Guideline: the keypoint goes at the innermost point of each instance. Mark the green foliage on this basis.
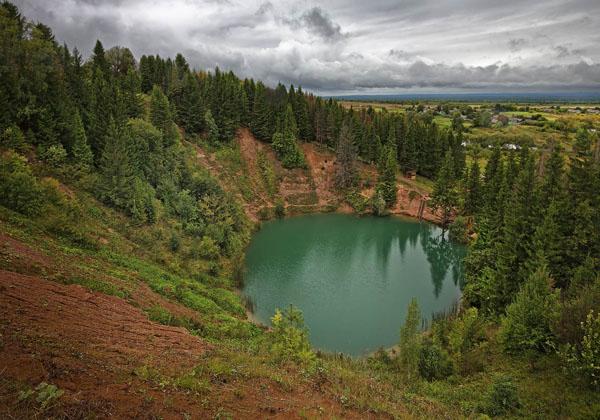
(527, 325)
(81, 151)
(466, 332)
(459, 230)
(378, 203)
(279, 209)
(386, 183)
(209, 248)
(13, 138)
(503, 397)
(285, 144)
(45, 394)
(410, 341)
(290, 337)
(346, 173)
(212, 131)
(434, 361)
(267, 173)
(444, 196)
(583, 358)
(161, 116)
(55, 155)
(19, 189)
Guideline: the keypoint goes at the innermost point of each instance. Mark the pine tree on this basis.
(346, 172)
(99, 61)
(552, 187)
(410, 341)
(262, 120)
(529, 317)
(473, 196)
(212, 130)
(116, 169)
(444, 196)
(161, 117)
(80, 151)
(515, 243)
(285, 144)
(190, 111)
(386, 182)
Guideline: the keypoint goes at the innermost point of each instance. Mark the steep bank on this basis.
(251, 171)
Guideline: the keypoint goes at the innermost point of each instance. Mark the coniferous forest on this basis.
(101, 187)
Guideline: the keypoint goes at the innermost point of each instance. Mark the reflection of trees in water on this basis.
(441, 255)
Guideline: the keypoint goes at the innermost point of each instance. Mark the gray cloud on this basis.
(352, 45)
(320, 23)
(516, 44)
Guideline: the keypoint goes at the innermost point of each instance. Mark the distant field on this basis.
(535, 124)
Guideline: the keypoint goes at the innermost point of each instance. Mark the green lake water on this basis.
(352, 277)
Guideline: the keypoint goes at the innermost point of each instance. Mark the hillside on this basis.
(251, 171)
(131, 188)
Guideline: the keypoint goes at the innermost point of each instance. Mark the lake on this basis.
(352, 277)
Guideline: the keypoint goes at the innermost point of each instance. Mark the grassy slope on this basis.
(235, 375)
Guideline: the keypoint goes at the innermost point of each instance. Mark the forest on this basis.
(106, 147)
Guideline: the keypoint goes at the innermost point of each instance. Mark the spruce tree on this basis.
(346, 172)
(473, 198)
(444, 195)
(81, 153)
(386, 182)
(262, 119)
(515, 242)
(161, 117)
(212, 131)
(285, 143)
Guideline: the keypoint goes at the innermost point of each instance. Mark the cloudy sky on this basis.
(344, 46)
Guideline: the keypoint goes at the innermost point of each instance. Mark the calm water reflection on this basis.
(352, 277)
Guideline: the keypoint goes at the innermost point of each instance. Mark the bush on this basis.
(290, 337)
(466, 332)
(502, 397)
(410, 341)
(279, 209)
(584, 358)
(459, 230)
(434, 362)
(13, 138)
(378, 203)
(209, 248)
(528, 321)
(19, 189)
(55, 155)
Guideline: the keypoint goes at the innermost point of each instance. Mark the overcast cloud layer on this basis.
(337, 46)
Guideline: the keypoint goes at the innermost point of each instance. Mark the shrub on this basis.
(290, 337)
(434, 362)
(459, 230)
(466, 332)
(584, 358)
(13, 138)
(208, 248)
(279, 209)
(19, 189)
(527, 325)
(503, 397)
(410, 341)
(378, 203)
(55, 155)
(357, 201)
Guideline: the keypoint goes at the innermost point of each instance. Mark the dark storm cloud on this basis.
(319, 22)
(349, 45)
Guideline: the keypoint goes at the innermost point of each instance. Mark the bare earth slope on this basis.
(302, 190)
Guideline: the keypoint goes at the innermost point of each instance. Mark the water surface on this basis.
(352, 277)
